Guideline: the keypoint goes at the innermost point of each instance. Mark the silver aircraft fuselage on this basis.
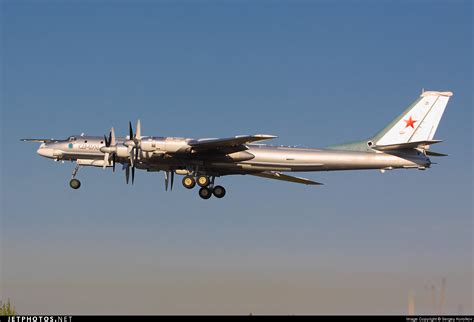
(256, 158)
(404, 143)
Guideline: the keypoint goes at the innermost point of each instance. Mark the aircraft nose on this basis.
(45, 152)
(428, 162)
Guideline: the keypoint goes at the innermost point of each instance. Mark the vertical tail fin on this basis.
(418, 122)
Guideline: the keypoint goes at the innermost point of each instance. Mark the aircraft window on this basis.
(71, 138)
(85, 141)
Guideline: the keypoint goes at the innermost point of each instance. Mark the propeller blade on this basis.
(127, 173)
(112, 137)
(105, 140)
(109, 141)
(136, 153)
(106, 160)
(172, 180)
(131, 154)
(166, 180)
(130, 130)
(138, 134)
(133, 174)
(113, 162)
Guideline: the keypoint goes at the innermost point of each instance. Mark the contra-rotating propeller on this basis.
(133, 148)
(110, 149)
(133, 143)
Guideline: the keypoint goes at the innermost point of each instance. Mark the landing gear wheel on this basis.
(203, 181)
(189, 182)
(74, 183)
(219, 191)
(205, 193)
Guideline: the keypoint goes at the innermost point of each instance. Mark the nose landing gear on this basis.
(75, 183)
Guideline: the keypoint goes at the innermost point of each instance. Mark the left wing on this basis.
(284, 177)
(236, 143)
(38, 140)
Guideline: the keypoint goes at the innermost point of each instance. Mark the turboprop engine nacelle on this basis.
(166, 145)
(122, 151)
(151, 145)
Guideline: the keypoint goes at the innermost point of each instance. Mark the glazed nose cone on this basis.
(45, 152)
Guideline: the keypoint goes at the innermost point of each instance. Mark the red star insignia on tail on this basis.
(410, 122)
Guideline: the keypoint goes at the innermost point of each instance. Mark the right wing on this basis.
(284, 177)
(236, 143)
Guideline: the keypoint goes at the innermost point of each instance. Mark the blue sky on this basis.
(314, 73)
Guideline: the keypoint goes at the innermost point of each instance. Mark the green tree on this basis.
(7, 308)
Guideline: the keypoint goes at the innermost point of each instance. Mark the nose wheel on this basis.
(75, 184)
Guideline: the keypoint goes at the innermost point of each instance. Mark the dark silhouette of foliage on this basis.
(7, 308)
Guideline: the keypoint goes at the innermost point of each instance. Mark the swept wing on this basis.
(285, 177)
(38, 140)
(236, 143)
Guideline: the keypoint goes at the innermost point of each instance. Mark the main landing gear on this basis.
(207, 186)
(189, 182)
(203, 181)
(75, 183)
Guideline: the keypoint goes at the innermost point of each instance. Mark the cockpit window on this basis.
(71, 139)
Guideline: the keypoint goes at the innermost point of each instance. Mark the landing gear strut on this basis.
(75, 183)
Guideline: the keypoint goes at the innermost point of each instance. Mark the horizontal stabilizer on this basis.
(284, 177)
(435, 154)
(37, 140)
(402, 146)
